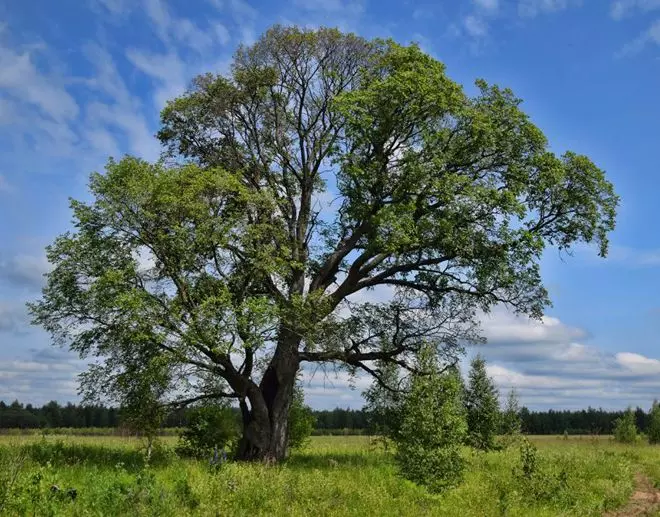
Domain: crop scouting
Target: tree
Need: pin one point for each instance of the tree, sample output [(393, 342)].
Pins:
[(511, 421), (433, 427), (224, 260), (653, 428), (625, 429), (482, 406)]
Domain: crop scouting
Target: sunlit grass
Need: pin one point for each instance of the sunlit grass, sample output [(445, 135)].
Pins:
[(333, 476)]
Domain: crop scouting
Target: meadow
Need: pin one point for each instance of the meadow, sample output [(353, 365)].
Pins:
[(332, 475)]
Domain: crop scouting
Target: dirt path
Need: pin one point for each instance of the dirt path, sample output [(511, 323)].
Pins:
[(645, 500)]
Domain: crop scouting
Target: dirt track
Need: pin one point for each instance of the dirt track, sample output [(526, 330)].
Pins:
[(645, 500)]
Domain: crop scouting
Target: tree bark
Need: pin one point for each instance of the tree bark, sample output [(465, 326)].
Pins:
[(266, 421)]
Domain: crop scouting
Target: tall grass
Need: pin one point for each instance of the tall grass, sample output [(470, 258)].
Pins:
[(342, 476)]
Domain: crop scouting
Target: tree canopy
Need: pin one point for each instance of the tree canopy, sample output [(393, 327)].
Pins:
[(322, 166)]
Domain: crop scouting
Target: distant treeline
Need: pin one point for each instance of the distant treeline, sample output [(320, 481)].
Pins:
[(334, 421)]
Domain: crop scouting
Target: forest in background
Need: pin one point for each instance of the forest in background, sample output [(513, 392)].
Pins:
[(347, 421)]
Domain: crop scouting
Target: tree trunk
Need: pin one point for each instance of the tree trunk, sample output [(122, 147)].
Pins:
[(266, 421)]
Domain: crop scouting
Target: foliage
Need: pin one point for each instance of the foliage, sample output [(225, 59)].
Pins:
[(625, 428), (653, 429), (215, 275), (210, 427), (384, 403), (432, 428), (301, 420), (510, 421), (482, 406), (536, 482), (357, 482)]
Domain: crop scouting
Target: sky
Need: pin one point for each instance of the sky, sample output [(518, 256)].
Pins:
[(82, 80)]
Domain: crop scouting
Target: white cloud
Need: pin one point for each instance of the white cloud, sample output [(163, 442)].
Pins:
[(331, 6), (549, 366), (183, 31), (637, 363), (242, 11), (115, 7), (622, 8), (168, 71), (12, 317), (20, 78), (619, 254), (648, 37), (24, 271), (502, 326), (488, 5), (475, 26), (221, 33), (4, 185), (532, 8)]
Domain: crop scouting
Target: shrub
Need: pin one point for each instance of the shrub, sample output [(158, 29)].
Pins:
[(432, 428), (539, 482), (209, 427), (625, 428), (482, 407), (653, 427), (301, 420), (510, 423)]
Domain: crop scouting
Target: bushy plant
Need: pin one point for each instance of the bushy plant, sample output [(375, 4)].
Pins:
[(432, 427), (482, 407), (210, 427), (625, 428), (301, 420), (510, 421), (653, 428), (536, 481)]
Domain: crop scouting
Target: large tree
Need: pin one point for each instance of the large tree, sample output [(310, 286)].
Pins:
[(220, 270)]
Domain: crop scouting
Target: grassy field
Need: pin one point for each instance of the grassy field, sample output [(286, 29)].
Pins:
[(332, 476)]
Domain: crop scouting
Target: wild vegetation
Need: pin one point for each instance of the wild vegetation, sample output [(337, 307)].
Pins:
[(549, 476)]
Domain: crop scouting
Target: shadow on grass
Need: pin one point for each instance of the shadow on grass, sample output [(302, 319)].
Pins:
[(313, 460), (60, 453)]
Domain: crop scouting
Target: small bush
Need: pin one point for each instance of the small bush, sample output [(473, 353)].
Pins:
[(432, 428), (482, 407), (536, 482), (653, 429), (209, 427), (625, 429), (301, 420)]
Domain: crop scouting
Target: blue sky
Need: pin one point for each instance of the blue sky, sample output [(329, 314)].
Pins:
[(84, 80)]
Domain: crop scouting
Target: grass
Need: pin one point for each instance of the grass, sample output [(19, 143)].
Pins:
[(334, 475)]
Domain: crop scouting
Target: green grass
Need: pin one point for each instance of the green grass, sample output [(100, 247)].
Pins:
[(335, 475)]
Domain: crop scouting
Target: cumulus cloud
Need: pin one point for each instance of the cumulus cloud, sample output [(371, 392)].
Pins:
[(24, 271), (503, 327), (549, 365), (45, 374), (13, 318)]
